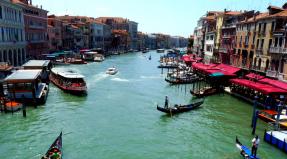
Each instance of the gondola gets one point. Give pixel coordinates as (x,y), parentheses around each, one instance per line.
(55,150)
(204,92)
(244,150)
(181,80)
(182,108)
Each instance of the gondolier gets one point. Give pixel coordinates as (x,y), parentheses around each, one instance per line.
(255,143)
(166,102)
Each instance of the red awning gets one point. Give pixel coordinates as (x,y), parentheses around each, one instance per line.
(228,68)
(214,68)
(260,87)
(188,59)
(274,83)
(254,76)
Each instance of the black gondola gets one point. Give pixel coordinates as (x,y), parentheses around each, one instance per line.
(182,108)
(244,151)
(55,150)
(168,66)
(187,80)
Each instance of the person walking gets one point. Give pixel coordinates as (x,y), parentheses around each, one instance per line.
(255,144)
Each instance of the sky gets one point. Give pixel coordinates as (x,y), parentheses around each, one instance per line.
(174,17)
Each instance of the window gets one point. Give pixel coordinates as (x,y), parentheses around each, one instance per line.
(264,28)
(272,26)
(270,43)
(0,12)
(262,43)
(259,27)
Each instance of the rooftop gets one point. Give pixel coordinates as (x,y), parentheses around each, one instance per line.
(23,76)
(38,63)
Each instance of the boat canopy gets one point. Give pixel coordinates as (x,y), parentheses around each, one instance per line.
(254,76)
(23,76)
(37,63)
(68,74)
(216,69)
(260,87)
(274,83)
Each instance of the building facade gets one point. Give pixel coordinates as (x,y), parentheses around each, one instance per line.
(55,37)
(35,20)
(12,35)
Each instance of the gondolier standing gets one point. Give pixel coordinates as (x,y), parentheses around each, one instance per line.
(255,143)
(166,102)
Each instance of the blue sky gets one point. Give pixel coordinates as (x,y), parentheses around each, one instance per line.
(174,17)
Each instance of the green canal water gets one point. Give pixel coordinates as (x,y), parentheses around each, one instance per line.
(118,119)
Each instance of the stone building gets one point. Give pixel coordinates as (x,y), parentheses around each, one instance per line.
(12,35)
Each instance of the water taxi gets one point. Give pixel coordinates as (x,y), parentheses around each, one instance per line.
(69,81)
(112,71)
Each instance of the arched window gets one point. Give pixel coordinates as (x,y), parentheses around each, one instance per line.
(259,64)
(267,65)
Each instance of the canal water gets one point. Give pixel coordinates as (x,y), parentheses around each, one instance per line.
(118,119)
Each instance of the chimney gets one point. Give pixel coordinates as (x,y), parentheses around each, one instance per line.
(225,10)
(30,2)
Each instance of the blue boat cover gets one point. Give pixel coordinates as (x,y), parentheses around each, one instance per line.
(248,152)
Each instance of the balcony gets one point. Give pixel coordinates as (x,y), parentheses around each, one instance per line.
(246,45)
(282,77)
(278,50)
(272,74)
(261,34)
(222,50)
(229,26)
(259,51)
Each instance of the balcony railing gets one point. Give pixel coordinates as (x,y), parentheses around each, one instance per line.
(229,26)
(259,51)
(278,50)
(272,73)
(222,50)
(246,45)
(282,77)
(252,46)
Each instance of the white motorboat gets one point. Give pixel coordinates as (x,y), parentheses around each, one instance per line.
(112,71)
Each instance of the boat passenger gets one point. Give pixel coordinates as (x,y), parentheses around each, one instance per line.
(166,102)
(255,144)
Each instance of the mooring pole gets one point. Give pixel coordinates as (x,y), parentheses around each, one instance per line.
(255,122)
(254,110)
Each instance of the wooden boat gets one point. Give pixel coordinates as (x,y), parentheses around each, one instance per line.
(77,61)
(204,92)
(181,108)
(244,150)
(145,51)
(69,81)
(13,106)
(269,116)
(55,150)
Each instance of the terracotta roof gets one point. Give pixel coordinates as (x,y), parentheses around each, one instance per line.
(116,19)
(29,5)
(275,7)
(280,14)
(123,32)
(233,13)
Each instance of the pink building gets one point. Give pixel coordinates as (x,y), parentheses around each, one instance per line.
(55,28)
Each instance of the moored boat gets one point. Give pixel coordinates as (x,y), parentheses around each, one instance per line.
(69,81)
(99,58)
(277,138)
(13,106)
(112,71)
(244,150)
(181,108)
(270,116)
(160,50)
(55,150)
(204,92)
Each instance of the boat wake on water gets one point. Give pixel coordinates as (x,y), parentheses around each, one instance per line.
(120,79)
(99,77)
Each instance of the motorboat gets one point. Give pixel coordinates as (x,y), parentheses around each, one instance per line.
(112,71)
